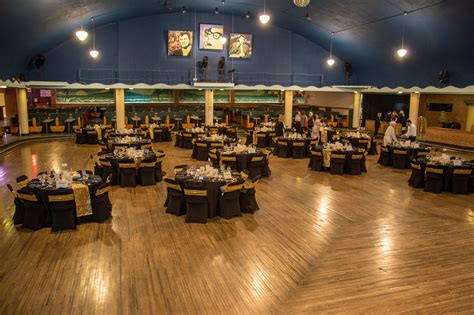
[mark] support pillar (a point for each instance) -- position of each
(356, 111)
(470, 118)
(22, 111)
(209, 107)
(120, 109)
(288, 109)
(414, 107)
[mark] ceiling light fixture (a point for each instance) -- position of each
(330, 61)
(402, 51)
(93, 52)
(183, 10)
(216, 11)
(301, 3)
(81, 34)
(264, 18)
(247, 15)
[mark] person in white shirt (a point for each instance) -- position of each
(411, 131)
(390, 136)
(315, 129)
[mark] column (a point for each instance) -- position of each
(120, 108)
(470, 117)
(356, 111)
(22, 111)
(288, 108)
(414, 106)
(209, 107)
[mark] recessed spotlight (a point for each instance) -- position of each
(107, 88)
(216, 11)
(400, 92)
(221, 89)
(247, 15)
(130, 88)
(417, 92)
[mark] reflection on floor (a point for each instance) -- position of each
(320, 243)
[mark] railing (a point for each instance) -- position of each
(134, 76)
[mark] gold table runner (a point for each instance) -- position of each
(82, 199)
(326, 158)
(324, 136)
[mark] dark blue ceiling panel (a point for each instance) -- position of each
(437, 37)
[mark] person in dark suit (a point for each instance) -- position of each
(378, 123)
(280, 127)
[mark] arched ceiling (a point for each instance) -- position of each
(440, 34)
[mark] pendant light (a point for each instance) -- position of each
(402, 51)
(330, 61)
(264, 18)
(93, 52)
(81, 34)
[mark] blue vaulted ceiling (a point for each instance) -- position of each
(438, 37)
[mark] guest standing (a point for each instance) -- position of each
(411, 131)
(298, 122)
(390, 136)
(280, 127)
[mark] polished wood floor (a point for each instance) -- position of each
(320, 243)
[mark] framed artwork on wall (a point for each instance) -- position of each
(240, 46)
(180, 43)
(209, 36)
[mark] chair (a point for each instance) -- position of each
(147, 146)
(363, 167)
(422, 153)
(373, 146)
(299, 150)
(34, 211)
(272, 141)
(213, 157)
(103, 148)
(229, 200)
(175, 202)
(22, 181)
(101, 205)
(179, 168)
(354, 163)
(337, 163)
(249, 138)
(262, 140)
(158, 135)
(158, 166)
(216, 145)
(146, 172)
(92, 137)
(434, 179)
(283, 149)
(202, 150)
(108, 170)
(316, 160)
(81, 138)
(417, 178)
(384, 158)
(265, 168)
(63, 209)
(179, 140)
(248, 202)
(128, 173)
(19, 214)
(460, 181)
(229, 160)
(196, 203)
(364, 143)
(255, 166)
(187, 141)
(400, 159)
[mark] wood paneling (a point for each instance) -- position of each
(319, 243)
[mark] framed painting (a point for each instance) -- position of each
(180, 43)
(209, 36)
(240, 46)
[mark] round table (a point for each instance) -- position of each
(293, 145)
(243, 158)
(212, 186)
(83, 189)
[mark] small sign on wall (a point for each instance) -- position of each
(45, 93)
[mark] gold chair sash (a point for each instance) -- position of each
(23, 183)
(462, 171)
(102, 191)
(356, 156)
(195, 192)
(403, 152)
(217, 144)
(415, 166)
(201, 144)
(434, 170)
(232, 188)
(151, 164)
(257, 158)
(229, 158)
(105, 163)
(61, 198)
(284, 143)
(338, 156)
(298, 144)
(173, 186)
(244, 175)
(317, 153)
(127, 165)
(27, 197)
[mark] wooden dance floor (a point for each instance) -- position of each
(319, 243)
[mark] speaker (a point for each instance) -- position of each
(443, 77)
(39, 61)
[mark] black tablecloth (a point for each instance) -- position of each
(243, 159)
(307, 144)
(448, 170)
(212, 187)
